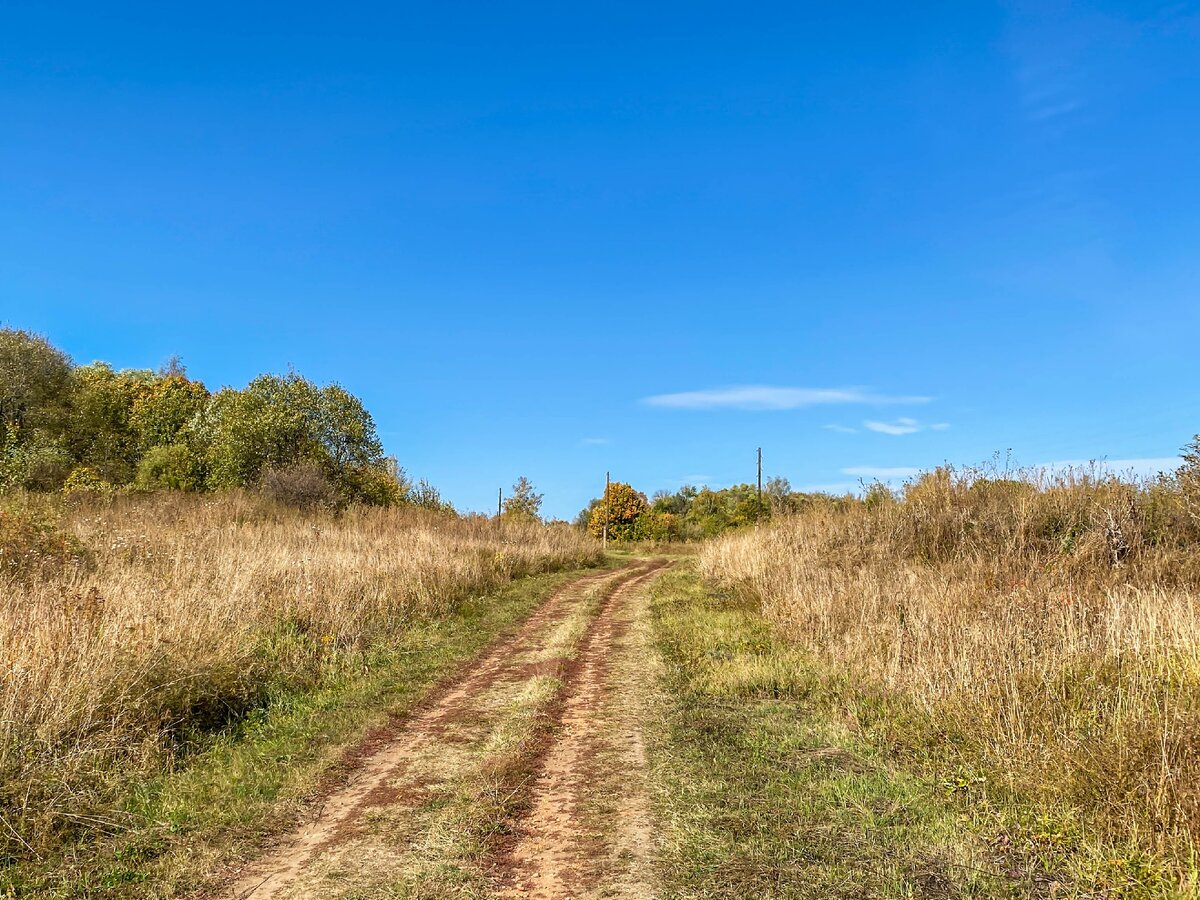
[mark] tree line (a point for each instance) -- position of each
(692, 513)
(92, 427)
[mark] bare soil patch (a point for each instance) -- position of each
(588, 831)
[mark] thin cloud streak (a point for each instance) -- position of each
(903, 426)
(768, 398)
(900, 426)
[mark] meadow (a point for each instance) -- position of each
(134, 628)
(1029, 642)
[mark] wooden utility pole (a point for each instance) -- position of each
(499, 503)
(758, 515)
(606, 508)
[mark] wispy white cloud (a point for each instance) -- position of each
(595, 441)
(763, 397)
(841, 429)
(900, 426)
(884, 473)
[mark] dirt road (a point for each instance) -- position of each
(523, 777)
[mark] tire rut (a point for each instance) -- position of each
(394, 774)
(587, 830)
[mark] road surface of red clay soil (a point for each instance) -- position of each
(554, 708)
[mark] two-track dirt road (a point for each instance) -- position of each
(524, 776)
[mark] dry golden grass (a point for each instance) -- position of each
(1044, 637)
(187, 612)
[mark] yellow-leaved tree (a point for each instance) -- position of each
(620, 508)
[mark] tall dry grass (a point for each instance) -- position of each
(162, 618)
(1044, 634)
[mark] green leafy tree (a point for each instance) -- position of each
(164, 408)
(33, 460)
(35, 394)
(260, 427)
(280, 421)
(162, 430)
(35, 383)
(524, 503)
(658, 525)
(344, 429)
(101, 435)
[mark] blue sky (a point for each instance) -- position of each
(554, 239)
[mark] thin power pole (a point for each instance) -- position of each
(606, 508)
(758, 514)
(499, 503)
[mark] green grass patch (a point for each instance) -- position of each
(765, 790)
(167, 835)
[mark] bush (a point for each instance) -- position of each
(373, 486)
(175, 467)
(38, 464)
(426, 496)
(1188, 479)
(32, 545)
(302, 486)
(86, 481)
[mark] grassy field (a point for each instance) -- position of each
(1032, 649)
(765, 789)
(174, 667)
(984, 687)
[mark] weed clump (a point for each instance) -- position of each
(33, 545)
(303, 486)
